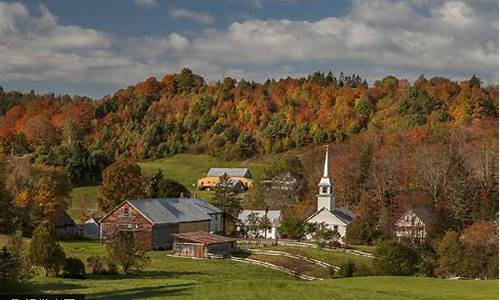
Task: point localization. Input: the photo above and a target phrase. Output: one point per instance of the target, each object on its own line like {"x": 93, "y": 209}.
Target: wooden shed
{"x": 200, "y": 244}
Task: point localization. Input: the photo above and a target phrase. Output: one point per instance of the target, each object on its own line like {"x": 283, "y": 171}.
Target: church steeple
{"x": 326, "y": 195}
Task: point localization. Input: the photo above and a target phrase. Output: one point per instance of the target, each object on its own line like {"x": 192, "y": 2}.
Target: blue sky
{"x": 95, "y": 47}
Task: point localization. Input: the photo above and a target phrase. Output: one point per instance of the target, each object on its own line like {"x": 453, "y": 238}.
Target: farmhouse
{"x": 336, "y": 218}
{"x": 201, "y": 244}
{"x": 235, "y": 174}
{"x": 153, "y": 221}
{"x": 274, "y": 217}
{"x": 413, "y": 224}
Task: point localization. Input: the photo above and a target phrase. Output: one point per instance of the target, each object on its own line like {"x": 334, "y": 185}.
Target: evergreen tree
{"x": 227, "y": 200}
{"x": 45, "y": 251}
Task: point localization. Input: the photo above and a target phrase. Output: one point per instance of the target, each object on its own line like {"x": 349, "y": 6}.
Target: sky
{"x": 94, "y": 47}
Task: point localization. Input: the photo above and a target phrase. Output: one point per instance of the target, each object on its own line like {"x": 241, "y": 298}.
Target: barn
{"x": 154, "y": 221}
{"x": 201, "y": 244}
{"x": 239, "y": 176}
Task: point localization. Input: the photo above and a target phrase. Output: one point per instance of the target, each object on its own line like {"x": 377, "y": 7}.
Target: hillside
{"x": 184, "y": 168}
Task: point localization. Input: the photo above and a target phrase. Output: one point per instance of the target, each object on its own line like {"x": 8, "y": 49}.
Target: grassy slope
{"x": 185, "y": 168}
{"x": 181, "y": 278}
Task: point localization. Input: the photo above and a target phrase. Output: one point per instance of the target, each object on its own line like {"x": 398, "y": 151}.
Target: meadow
{"x": 184, "y": 168}
{"x": 182, "y": 278}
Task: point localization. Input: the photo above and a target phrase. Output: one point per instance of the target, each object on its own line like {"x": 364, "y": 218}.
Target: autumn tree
{"x": 121, "y": 181}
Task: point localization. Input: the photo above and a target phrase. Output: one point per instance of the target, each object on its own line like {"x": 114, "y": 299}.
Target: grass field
{"x": 331, "y": 257}
{"x": 184, "y": 168}
{"x": 182, "y": 278}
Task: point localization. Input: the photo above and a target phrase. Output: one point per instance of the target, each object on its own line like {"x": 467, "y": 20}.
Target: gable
{"x": 125, "y": 211}
{"x": 325, "y": 216}
{"x": 410, "y": 218}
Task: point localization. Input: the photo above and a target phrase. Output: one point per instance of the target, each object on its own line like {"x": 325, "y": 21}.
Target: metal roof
{"x": 174, "y": 210}
{"x": 273, "y": 215}
{"x": 203, "y": 237}
{"x": 231, "y": 172}
{"x": 343, "y": 214}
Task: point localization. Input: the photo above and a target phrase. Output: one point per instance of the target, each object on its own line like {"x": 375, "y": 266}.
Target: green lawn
{"x": 184, "y": 168}
{"x": 188, "y": 168}
{"x": 182, "y": 278}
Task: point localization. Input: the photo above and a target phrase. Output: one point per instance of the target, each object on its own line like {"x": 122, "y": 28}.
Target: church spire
{"x": 325, "y": 171}
{"x": 326, "y": 195}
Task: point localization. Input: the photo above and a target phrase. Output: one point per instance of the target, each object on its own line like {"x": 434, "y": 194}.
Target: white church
{"x": 336, "y": 218}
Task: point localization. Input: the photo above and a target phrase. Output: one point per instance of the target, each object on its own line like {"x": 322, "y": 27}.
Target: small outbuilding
{"x": 413, "y": 224}
{"x": 91, "y": 229}
{"x": 201, "y": 244}
{"x": 66, "y": 227}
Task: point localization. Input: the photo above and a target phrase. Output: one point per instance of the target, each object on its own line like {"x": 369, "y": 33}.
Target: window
{"x": 125, "y": 212}
{"x": 336, "y": 228}
{"x": 324, "y": 190}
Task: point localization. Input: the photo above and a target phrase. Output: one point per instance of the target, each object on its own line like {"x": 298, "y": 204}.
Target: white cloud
{"x": 146, "y": 3}
{"x": 182, "y": 13}
{"x": 375, "y": 38}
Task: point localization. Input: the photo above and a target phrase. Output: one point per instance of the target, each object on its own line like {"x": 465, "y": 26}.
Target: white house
{"x": 413, "y": 224}
{"x": 336, "y": 218}
{"x": 274, "y": 216}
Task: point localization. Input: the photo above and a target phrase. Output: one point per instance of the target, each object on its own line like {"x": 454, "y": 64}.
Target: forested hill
{"x": 230, "y": 119}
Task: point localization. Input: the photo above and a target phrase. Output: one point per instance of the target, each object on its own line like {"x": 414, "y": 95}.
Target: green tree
{"x": 45, "y": 251}
{"x": 394, "y": 258}
{"x": 121, "y": 181}
{"x": 124, "y": 251}
{"x": 16, "y": 247}
{"x": 160, "y": 187}
{"x": 292, "y": 227}
{"x": 227, "y": 200}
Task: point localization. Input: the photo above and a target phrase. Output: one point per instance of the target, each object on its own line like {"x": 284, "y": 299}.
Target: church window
{"x": 324, "y": 190}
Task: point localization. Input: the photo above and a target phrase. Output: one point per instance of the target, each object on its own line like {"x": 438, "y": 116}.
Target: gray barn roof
{"x": 231, "y": 172}
{"x": 174, "y": 210}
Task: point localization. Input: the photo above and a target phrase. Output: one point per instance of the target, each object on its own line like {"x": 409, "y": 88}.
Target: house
{"x": 153, "y": 221}
{"x": 201, "y": 244}
{"x": 66, "y": 227}
{"x": 274, "y": 216}
{"x": 91, "y": 228}
{"x": 282, "y": 182}
{"x": 212, "y": 179}
{"x": 413, "y": 224}
{"x": 336, "y": 218}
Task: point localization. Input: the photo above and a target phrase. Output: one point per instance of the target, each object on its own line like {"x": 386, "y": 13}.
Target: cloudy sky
{"x": 94, "y": 47}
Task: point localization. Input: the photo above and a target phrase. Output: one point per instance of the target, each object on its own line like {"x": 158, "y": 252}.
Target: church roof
{"x": 343, "y": 214}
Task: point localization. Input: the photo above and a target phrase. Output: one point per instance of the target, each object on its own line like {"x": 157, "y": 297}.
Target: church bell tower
{"x": 326, "y": 195}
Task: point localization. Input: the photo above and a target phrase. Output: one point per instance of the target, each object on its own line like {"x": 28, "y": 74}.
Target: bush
{"x": 73, "y": 268}
{"x": 124, "y": 251}
{"x": 394, "y": 258}
{"x": 347, "y": 269}
{"x": 96, "y": 264}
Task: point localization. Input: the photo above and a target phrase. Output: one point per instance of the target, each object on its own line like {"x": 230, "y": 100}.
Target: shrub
{"x": 73, "y": 268}
{"x": 96, "y": 264}
{"x": 347, "y": 269}
{"x": 394, "y": 258}
{"x": 124, "y": 251}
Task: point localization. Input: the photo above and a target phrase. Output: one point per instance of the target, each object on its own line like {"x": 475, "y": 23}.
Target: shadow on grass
{"x": 181, "y": 289}
{"x": 143, "y": 275}
{"x": 37, "y": 287}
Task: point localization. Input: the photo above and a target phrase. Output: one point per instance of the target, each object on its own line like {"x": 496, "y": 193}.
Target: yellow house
{"x": 236, "y": 175}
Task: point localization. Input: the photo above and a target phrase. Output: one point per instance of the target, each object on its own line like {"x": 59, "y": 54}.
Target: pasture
{"x": 182, "y": 278}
